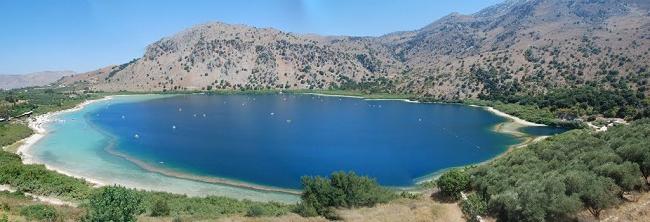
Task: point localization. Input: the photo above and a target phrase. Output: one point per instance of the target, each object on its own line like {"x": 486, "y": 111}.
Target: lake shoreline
{"x": 39, "y": 132}
{"x": 37, "y": 124}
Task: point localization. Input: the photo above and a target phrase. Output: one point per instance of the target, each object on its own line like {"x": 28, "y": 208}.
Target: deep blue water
{"x": 273, "y": 140}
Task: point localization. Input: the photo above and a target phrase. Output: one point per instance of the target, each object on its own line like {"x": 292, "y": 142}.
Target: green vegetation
{"x": 564, "y": 174}
{"x": 320, "y": 195}
{"x": 583, "y": 101}
{"x": 114, "y": 203}
{"x": 452, "y": 182}
{"x": 37, "y": 179}
{"x": 39, "y": 212}
{"x": 12, "y": 132}
{"x": 474, "y": 206}
{"x": 40, "y": 100}
{"x": 198, "y": 208}
{"x": 159, "y": 208}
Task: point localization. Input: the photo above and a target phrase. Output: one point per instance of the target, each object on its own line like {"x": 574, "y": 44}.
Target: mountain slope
{"x": 32, "y": 79}
{"x": 519, "y": 46}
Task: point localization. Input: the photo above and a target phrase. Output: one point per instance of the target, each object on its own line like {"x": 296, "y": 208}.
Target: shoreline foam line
{"x": 204, "y": 179}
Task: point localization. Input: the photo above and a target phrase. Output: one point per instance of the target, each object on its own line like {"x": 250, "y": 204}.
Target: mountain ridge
{"x": 523, "y": 46}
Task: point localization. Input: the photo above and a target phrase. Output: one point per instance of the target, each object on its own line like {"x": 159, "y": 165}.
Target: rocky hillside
{"x": 518, "y": 46}
{"x": 32, "y": 79}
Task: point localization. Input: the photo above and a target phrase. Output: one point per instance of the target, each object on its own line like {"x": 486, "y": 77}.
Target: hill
{"x": 517, "y": 47}
{"x": 32, "y": 79}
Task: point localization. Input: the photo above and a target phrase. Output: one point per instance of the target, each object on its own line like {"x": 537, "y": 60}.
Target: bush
{"x": 474, "y": 206}
{"x": 37, "y": 179}
{"x": 114, "y": 203}
{"x": 39, "y": 212}
{"x": 160, "y": 208}
{"x": 452, "y": 183}
{"x": 255, "y": 211}
{"x": 340, "y": 190}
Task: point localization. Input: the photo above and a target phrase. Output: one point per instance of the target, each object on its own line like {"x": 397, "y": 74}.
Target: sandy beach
{"x": 511, "y": 117}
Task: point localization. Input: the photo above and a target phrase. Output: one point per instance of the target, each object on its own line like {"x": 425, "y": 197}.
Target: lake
{"x": 270, "y": 140}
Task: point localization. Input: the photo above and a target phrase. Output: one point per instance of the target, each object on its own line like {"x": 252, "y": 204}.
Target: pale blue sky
{"x": 83, "y": 35}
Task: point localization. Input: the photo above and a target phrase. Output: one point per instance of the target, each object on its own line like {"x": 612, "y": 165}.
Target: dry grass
{"x": 421, "y": 209}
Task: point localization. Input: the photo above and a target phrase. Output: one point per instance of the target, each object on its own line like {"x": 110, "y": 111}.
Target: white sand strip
{"x": 511, "y": 117}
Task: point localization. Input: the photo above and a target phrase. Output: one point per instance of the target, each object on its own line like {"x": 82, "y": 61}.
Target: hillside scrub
{"x": 565, "y": 174}
{"x": 320, "y": 195}
{"x": 38, "y": 180}
{"x": 13, "y": 132}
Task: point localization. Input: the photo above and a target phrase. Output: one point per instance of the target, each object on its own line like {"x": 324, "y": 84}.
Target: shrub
{"x": 340, "y": 190}
{"x": 39, "y": 212}
{"x": 160, "y": 208}
{"x": 473, "y": 206}
{"x": 452, "y": 183}
{"x": 114, "y": 203}
{"x": 255, "y": 211}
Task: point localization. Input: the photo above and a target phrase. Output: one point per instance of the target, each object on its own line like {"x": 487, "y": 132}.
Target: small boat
{"x": 136, "y": 136}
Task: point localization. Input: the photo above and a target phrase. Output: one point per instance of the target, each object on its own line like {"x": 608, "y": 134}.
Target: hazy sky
{"x": 83, "y": 35}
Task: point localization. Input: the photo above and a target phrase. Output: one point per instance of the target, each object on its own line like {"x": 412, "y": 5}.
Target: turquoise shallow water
{"x": 268, "y": 140}
{"x": 75, "y": 147}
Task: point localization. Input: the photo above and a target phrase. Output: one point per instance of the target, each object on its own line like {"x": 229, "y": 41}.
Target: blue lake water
{"x": 273, "y": 140}
{"x": 268, "y": 140}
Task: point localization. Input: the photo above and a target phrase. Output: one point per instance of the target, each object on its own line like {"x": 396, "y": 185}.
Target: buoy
{"x": 272, "y": 114}
{"x": 204, "y": 115}
{"x": 174, "y": 127}
{"x": 123, "y": 117}
{"x": 180, "y": 109}
{"x": 136, "y": 136}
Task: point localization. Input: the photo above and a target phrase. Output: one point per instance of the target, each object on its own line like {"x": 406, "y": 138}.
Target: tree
{"x": 452, "y": 183}
{"x": 599, "y": 194}
{"x": 11, "y": 99}
{"x": 114, "y": 203}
